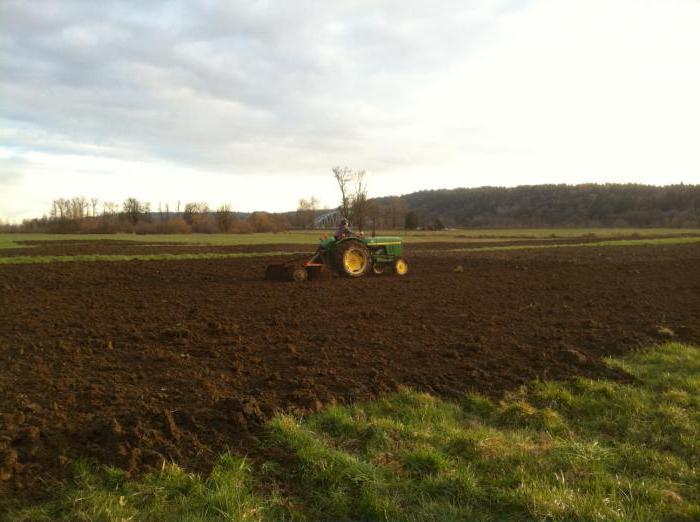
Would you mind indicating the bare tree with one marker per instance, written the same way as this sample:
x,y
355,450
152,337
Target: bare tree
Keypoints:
x,y
135,210
302,212
196,215
74,208
344,176
65,208
61,208
110,208
56,210
190,211
109,213
193,210
224,218
93,204
359,200
78,207
306,212
353,194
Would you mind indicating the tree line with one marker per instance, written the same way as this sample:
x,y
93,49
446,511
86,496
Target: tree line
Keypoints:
x,y
588,205
89,215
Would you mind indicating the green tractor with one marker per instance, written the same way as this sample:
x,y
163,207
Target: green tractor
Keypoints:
x,y
351,256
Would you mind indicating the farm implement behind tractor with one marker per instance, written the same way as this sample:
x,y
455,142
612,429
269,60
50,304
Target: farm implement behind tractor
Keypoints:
x,y
352,256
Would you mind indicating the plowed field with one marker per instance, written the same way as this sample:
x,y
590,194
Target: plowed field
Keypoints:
x,y
130,363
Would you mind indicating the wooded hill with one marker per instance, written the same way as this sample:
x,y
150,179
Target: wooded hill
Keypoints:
x,y
589,205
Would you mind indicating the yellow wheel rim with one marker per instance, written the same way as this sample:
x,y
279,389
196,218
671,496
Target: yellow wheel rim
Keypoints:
x,y
354,261
401,267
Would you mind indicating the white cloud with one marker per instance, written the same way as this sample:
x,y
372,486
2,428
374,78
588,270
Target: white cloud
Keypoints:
x,y
254,102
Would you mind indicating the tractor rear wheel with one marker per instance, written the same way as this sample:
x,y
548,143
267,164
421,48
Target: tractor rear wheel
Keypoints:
x,y
352,258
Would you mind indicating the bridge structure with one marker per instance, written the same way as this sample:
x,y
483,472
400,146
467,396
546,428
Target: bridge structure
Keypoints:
x,y
328,219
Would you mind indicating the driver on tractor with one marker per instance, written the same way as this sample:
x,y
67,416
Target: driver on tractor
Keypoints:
x,y
344,230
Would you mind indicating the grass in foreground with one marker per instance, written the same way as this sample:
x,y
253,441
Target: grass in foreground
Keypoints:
x,y
557,451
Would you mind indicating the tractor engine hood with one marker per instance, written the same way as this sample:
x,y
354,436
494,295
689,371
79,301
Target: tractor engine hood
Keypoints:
x,y
330,242
382,240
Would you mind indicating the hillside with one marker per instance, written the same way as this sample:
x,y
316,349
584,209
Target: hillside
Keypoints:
x,y
587,205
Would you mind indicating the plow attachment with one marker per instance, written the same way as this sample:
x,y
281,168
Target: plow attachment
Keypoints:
x,y
299,269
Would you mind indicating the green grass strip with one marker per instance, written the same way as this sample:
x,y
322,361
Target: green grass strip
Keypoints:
x,y
615,243
23,260
311,236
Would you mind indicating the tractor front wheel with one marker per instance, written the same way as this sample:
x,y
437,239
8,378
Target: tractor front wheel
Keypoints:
x,y
401,266
352,258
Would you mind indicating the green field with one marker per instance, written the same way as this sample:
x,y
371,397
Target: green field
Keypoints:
x,y
13,240
310,237
86,258
470,239
585,450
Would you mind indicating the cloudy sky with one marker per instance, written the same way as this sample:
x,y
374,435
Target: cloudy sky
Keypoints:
x,y
252,102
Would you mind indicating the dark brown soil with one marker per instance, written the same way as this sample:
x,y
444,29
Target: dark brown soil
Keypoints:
x,y
131,363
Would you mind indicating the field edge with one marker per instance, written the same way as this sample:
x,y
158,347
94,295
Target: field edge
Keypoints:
x,y
558,450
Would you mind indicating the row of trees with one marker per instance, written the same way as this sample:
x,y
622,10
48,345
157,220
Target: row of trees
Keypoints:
x,y
80,214
526,206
